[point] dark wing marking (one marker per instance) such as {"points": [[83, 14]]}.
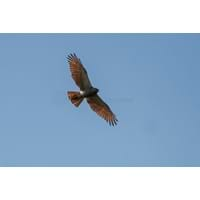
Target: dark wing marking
{"points": [[79, 73], [102, 109]]}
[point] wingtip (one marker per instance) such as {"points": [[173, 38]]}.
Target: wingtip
{"points": [[72, 56], [113, 122]]}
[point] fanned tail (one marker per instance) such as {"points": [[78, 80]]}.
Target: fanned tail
{"points": [[75, 98]]}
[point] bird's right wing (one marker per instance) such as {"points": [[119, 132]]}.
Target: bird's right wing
{"points": [[102, 109], [79, 73]]}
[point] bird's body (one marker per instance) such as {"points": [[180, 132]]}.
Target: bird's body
{"points": [[89, 92], [80, 76]]}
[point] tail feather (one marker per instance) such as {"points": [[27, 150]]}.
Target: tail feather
{"points": [[75, 98]]}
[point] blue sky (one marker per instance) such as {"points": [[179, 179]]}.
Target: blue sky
{"points": [[151, 82]]}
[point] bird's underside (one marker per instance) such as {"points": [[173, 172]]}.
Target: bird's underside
{"points": [[80, 76]]}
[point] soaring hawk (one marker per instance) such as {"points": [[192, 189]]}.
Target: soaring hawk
{"points": [[80, 76]]}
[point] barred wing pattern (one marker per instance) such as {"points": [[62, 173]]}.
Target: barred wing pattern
{"points": [[79, 73], [102, 109]]}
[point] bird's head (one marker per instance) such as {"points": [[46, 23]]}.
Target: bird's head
{"points": [[96, 90]]}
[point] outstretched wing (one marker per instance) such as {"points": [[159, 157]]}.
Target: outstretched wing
{"points": [[102, 109], [79, 73]]}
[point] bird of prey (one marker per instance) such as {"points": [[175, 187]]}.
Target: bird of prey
{"points": [[87, 91]]}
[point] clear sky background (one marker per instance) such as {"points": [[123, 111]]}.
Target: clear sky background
{"points": [[151, 82]]}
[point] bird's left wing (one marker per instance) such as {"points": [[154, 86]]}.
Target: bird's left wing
{"points": [[79, 73], [102, 109]]}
